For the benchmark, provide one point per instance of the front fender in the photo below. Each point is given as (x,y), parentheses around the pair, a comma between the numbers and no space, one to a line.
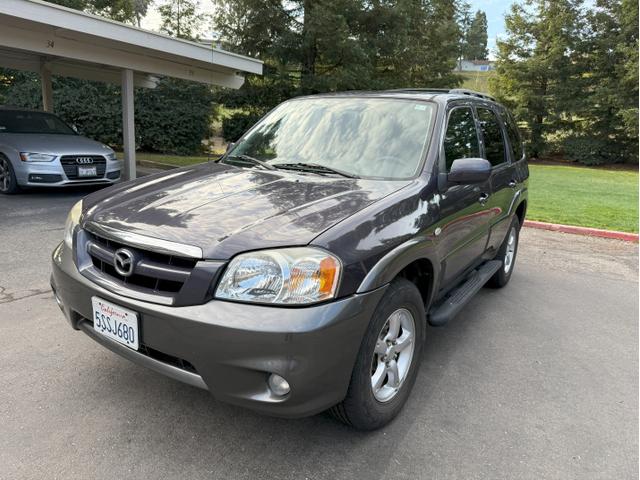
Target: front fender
(390,265)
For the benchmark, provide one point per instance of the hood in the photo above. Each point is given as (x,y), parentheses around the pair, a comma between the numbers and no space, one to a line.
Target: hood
(54,144)
(226,210)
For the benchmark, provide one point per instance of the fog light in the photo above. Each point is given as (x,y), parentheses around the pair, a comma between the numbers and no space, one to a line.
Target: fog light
(278,385)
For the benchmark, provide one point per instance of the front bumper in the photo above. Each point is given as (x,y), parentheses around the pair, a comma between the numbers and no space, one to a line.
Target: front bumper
(52,174)
(233,347)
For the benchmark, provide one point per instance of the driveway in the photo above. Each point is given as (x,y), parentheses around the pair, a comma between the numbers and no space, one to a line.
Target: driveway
(537,381)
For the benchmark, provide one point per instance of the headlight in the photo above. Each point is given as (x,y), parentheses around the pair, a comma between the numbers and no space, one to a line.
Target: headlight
(36,157)
(292,276)
(72,220)
(111,156)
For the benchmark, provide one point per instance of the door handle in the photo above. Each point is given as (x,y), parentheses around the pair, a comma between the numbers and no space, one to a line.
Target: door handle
(483,198)
(513,184)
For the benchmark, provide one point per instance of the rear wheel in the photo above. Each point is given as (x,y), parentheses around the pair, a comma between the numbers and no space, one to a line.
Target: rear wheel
(388,360)
(8,180)
(507,253)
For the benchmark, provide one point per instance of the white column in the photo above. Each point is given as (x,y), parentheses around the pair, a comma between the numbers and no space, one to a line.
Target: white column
(128,126)
(47,89)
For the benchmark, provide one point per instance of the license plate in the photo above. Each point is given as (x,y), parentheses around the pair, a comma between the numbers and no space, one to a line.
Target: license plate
(87,171)
(115,322)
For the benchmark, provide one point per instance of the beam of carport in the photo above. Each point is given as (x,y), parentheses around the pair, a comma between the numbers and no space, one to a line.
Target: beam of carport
(55,40)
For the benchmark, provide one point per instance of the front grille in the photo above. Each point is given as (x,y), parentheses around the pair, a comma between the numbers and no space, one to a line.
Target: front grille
(153,272)
(70,164)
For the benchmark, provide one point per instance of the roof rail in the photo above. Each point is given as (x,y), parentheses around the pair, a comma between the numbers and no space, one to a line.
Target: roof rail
(420,90)
(464,91)
(459,91)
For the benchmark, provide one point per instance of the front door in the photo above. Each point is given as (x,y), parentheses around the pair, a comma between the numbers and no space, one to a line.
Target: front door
(463,208)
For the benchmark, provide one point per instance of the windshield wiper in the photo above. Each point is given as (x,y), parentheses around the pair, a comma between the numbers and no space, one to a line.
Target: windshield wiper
(314,168)
(254,161)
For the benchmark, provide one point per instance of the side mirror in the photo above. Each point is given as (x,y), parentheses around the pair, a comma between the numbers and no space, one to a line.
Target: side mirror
(469,170)
(230,146)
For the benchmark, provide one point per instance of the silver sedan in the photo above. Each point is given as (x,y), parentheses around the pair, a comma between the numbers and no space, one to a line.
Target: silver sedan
(39,149)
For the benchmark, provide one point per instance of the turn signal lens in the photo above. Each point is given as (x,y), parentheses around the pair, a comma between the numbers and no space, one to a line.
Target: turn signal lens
(298,276)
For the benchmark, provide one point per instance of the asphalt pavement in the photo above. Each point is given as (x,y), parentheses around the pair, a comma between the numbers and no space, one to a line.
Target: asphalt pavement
(538,380)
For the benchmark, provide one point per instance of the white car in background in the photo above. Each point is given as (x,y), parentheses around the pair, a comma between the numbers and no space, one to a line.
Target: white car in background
(39,149)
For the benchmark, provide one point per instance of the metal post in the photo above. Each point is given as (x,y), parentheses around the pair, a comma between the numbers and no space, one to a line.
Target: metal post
(47,89)
(128,126)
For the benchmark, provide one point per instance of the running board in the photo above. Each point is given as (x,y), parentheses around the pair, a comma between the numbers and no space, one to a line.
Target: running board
(455,301)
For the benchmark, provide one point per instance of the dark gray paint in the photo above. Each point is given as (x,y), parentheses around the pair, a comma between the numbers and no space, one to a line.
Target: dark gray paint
(377,228)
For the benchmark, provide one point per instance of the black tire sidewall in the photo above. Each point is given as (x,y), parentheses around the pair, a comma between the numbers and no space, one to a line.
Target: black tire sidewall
(363,410)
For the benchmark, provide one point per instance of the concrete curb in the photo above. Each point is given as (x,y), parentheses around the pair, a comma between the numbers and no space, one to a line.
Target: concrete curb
(591,232)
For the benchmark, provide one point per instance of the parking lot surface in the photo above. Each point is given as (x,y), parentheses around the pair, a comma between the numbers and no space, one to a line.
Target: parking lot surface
(535,381)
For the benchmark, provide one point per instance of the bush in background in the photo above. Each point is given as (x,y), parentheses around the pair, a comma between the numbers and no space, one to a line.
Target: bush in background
(172,118)
(236,124)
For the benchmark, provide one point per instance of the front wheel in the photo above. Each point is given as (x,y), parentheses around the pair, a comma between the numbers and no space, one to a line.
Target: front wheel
(8,180)
(388,360)
(507,253)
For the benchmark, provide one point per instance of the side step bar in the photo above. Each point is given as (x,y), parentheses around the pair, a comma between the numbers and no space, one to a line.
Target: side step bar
(455,301)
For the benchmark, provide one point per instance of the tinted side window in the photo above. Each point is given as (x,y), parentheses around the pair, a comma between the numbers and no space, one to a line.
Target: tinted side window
(515,141)
(492,134)
(461,139)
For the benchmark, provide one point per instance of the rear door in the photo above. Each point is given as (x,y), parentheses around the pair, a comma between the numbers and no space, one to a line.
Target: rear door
(463,208)
(503,175)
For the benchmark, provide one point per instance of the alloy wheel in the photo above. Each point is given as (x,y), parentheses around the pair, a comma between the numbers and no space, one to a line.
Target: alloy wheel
(5,175)
(392,355)
(511,250)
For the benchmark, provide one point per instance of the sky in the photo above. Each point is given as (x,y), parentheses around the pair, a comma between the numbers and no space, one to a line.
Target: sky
(495,10)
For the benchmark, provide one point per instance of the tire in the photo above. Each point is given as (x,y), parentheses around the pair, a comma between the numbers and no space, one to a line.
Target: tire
(507,254)
(363,409)
(8,181)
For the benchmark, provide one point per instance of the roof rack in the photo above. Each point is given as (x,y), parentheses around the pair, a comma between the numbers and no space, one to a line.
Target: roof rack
(459,91)
(473,93)
(420,90)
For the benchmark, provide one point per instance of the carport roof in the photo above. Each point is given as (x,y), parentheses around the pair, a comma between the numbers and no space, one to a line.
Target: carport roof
(77,44)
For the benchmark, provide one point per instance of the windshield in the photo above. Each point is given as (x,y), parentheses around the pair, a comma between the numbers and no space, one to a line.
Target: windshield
(363,137)
(12,121)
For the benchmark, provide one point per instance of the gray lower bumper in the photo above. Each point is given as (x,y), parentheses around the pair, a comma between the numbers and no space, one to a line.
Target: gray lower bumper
(234,347)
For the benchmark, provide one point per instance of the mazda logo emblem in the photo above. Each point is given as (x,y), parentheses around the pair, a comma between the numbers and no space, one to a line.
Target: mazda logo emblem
(84,160)
(124,262)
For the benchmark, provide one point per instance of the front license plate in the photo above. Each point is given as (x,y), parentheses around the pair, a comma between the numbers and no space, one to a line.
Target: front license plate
(87,171)
(115,322)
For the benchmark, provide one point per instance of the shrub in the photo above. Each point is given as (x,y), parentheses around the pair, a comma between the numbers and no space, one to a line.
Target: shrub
(234,126)
(172,118)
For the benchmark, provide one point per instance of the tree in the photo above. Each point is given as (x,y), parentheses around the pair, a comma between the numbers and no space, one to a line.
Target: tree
(464,22)
(607,130)
(311,46)
(475,43)
(180,18)
(538,67)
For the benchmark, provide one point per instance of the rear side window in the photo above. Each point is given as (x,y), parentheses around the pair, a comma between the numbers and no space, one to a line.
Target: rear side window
(515,141)
(492,134)
(461,139)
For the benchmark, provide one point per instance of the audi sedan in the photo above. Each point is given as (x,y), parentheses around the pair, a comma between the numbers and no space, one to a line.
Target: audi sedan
(40,149)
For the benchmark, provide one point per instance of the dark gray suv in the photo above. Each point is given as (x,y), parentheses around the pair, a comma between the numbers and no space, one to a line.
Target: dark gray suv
(301,270)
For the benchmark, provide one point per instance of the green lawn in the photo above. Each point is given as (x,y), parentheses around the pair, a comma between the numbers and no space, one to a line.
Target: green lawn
(176,160)
(589,197)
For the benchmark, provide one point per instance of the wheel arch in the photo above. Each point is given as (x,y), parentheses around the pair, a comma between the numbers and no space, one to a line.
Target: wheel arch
(414,260)
(521,211)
